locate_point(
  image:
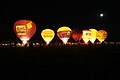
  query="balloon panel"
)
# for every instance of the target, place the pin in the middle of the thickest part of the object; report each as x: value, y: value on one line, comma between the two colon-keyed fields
x: 63, y: 34
x: 64, y: 28
x: 76, y: 35
x: 24, y: 29
x: 87, y: 34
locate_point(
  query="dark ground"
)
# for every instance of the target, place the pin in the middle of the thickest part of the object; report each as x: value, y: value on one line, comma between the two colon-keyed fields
x: 61, y: 63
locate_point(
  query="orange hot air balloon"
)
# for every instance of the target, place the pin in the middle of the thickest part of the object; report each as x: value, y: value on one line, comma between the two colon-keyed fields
x: 64, y: 33
x: 24, y: 29
x: 101, y: 35
x: 86, y: 35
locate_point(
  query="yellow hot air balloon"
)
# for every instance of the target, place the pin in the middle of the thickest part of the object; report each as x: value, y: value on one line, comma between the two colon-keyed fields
x: 101, y: 35
x: 47, y: 35
x: 94, y: 35
x: 86, y: 35
x: 64, y: 33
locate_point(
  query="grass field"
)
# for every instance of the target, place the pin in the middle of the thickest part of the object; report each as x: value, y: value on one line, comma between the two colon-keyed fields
x: 61, y: 63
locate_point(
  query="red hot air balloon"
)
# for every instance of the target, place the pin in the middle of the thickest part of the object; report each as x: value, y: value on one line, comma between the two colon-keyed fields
x: 77, y: 36
x: 24, y: 29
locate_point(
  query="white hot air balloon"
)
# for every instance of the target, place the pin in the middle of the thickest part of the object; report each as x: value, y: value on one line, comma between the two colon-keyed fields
x: 86, y: 35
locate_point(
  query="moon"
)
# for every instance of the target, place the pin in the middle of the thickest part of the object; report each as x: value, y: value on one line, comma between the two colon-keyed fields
x: 101, y: 15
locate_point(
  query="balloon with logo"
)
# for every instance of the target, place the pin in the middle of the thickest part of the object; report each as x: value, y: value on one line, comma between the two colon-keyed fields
x: 64, y: 33
x: 24, y: 30
x: 47, y: 35
x: 101, y: 35
x: 94, y: 35
x: 86, y: 35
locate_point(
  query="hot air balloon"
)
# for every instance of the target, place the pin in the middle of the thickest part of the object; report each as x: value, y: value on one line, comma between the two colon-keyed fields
x: 86, y: 35
x: 76, y: 35
x: 94, y: 35
x: 24, y: 29
x: 47, y: 35
x: 64, y: 33
x: 101, y: 35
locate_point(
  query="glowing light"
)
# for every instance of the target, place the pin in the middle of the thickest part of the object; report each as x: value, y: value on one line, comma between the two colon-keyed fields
x: 64, y: 40
x: 64, y: 33
x: 24, y: 41
x: 19, y: 44
x: 47, y: 35
x: 101, y: 15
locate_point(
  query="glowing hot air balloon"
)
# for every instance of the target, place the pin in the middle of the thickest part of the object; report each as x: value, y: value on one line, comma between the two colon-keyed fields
x: 94, y: 35
x: 86, y: 35
x: 24, y: 29
x: 101, y: 35
x: 64, y: 33
x: 76, y: 35
x: 47, y: 35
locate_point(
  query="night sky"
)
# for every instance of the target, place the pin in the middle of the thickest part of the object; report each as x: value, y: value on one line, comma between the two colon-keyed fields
x: 54, y: 14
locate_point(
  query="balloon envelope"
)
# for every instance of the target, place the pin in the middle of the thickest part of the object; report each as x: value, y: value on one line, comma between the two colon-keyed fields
x: 47, y: 35
x: 64, y: 33
x: 101, y: 35
x: 94, y: 35
x: 24, y: 29
x: 86, y: 35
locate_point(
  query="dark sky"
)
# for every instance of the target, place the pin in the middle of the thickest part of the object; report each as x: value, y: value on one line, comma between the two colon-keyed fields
x: 54, y: 14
